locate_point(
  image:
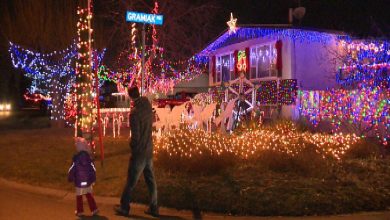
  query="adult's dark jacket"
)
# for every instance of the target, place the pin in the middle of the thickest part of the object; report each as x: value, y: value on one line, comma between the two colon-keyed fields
x: 141, y: 119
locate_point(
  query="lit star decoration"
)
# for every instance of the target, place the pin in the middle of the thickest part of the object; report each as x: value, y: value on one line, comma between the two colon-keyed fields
x: 232, y: 24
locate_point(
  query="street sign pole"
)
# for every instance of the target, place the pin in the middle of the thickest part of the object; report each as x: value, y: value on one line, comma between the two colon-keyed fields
x: 139, y: 17
x: 143, y: 61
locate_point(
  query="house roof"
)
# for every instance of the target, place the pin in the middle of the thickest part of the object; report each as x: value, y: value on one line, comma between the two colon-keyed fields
x: 282, y: 31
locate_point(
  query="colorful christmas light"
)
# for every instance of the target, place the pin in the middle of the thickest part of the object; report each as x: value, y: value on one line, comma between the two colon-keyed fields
x: 267, y: 92
x: 368, y: 108
x: 364, y: 99
x: 364, y: 62
x: 52, y: 74
x: 287, y: 92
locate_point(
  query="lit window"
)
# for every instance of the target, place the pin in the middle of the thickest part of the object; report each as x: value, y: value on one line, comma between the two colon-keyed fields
x: 224, y: 68
x: 263, y: 61
x: 218, y: 70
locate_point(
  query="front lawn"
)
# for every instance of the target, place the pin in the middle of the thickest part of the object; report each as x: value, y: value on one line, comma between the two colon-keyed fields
x: 268, y: 183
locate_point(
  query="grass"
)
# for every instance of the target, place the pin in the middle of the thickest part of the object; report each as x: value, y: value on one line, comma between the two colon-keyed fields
x: 23, y: 119
x: 271, y: 184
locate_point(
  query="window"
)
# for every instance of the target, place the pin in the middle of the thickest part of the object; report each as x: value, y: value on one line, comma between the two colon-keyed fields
x: 253, y: 62
x: 218, y: 70
x: 263, y: 61
x: 232, y: 62
x: 224, y: 68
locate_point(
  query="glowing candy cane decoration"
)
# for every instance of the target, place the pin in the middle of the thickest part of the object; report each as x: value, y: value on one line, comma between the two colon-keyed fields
x: 120, y: 120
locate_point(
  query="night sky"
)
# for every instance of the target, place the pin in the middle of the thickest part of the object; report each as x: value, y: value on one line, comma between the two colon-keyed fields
x: 359, y: 17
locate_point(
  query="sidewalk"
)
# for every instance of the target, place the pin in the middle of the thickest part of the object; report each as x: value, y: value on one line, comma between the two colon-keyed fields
x: 57, y: 204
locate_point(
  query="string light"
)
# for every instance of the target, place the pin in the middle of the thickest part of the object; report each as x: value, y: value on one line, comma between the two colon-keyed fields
x: 284, y: 138
x: 52, y: 74
x: 155, y: 83
x: 247, y: 33
x: 154, y: 31
x: 84, y: 89
x: 287, y: 92
x: 364, y: 62
x: 363, y: 99
x: 367, y: 106
x: 36, y: 97
x: 267, y: 92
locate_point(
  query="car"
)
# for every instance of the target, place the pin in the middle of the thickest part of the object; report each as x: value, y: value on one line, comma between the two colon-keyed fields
x: 174, y: 100
x: 38, y: 101
x: 5, y: 106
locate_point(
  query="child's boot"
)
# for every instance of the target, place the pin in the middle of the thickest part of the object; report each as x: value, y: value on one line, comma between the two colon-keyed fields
x: 79, y: 207
x: 92, y: 204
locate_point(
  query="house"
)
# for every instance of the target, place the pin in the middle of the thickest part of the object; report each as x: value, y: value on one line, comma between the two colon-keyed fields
x: 275, y: 60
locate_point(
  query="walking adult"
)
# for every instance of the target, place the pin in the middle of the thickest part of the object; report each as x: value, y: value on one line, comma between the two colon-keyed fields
x: 141, y: 160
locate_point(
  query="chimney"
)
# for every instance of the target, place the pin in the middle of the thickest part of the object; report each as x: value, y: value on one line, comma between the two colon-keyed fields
x: 290, y: 15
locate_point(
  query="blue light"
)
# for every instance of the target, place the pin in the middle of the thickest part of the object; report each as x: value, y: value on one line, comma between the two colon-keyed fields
x: 52, y: 72
x: 367, y: 65
x: 247, y: 33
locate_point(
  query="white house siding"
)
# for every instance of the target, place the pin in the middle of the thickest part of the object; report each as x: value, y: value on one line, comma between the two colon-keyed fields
x: 313, y: 66
x: 197, y: 85
x: 287, y: 60
x: 311, y: 63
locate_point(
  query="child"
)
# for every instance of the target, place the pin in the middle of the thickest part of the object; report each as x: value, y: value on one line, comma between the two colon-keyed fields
x: 83, y: 174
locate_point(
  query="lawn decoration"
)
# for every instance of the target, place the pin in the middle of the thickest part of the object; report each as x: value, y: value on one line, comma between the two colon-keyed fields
x: 226, y: 115
x: 168, y: 118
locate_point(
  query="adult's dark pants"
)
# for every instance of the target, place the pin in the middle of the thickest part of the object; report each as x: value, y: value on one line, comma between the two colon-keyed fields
x: 136, y: 167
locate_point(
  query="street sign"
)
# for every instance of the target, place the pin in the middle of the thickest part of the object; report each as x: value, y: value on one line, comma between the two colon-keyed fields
x: 138, y: 17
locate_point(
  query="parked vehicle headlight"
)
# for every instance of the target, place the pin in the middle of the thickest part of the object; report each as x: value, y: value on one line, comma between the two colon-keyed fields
x: 5, y: 107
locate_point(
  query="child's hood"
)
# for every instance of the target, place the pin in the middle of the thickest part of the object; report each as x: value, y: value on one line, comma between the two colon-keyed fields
x: 83, y: 158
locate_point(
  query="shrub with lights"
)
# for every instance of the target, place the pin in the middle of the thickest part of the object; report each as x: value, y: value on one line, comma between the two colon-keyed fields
x: 362, y: 104
x: 282, y: 138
